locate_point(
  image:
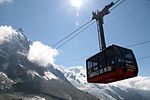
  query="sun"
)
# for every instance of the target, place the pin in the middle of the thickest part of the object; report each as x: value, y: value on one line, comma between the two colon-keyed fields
x: 76, y: 3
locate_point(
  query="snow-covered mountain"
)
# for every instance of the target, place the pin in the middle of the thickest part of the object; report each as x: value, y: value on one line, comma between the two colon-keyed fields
x: 26, y: 75
x: 137, y: 88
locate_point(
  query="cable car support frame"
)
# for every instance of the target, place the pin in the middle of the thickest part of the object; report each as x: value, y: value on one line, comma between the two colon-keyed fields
x: 98, y: 16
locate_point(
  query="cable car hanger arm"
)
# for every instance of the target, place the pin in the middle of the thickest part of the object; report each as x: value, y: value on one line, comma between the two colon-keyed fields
x: 105, y: 11
x: 98, y: 16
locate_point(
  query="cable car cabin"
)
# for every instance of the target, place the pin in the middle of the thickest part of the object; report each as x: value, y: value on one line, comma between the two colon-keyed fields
x: 112, y: 64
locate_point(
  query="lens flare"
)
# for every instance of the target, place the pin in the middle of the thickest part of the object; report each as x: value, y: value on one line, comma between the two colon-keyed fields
x: 76, y: 3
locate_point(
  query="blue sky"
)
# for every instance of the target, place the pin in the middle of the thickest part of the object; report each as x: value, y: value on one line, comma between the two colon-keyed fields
x: 49, y: 21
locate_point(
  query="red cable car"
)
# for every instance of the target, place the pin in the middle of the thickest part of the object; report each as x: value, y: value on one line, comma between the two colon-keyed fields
x: 112, y: 64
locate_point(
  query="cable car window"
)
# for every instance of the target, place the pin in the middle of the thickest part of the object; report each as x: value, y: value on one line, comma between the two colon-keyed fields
x: 95, y: 66
x: 105, y: 69
x: 101, y: 71
x: 119, y: 60
x: 89, y: 65
x: 112, y: 62
x: 109, y: 68
x: 126, y: 53
x: 100, y: 66
x: 129, y: 55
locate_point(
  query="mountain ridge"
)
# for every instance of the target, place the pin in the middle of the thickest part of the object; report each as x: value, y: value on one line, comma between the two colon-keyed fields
x: 22, y: 78
x: 134, y: 88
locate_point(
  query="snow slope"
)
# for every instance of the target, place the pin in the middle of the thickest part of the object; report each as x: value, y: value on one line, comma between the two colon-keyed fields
x: 137, y: 88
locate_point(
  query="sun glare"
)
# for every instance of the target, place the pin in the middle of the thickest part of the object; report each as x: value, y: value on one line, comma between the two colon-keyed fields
x: 76, y: 3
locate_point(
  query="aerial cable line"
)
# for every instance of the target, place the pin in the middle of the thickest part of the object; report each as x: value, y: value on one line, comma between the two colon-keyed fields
x: 75, y: 35
x: 73, y: 60
x: 81, y: 28
x: 71, y: 33
x: 143, y: 58
x: 136, y: 44
x: 140, y: 43
x: 77, y: 59
x: 86, y: 24
x: 119, y: 3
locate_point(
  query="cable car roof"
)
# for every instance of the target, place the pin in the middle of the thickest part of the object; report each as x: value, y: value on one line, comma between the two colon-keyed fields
x: 94, y: 57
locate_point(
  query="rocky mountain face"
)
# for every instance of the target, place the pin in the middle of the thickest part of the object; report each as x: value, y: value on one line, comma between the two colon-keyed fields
x: 137, y: 88
x: 20, y: 79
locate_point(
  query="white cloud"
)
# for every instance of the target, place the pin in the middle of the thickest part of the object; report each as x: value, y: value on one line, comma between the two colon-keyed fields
x: 6, y: 32
x: 41, y: 54
x: 141, y: 83
x: 5, y: 1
